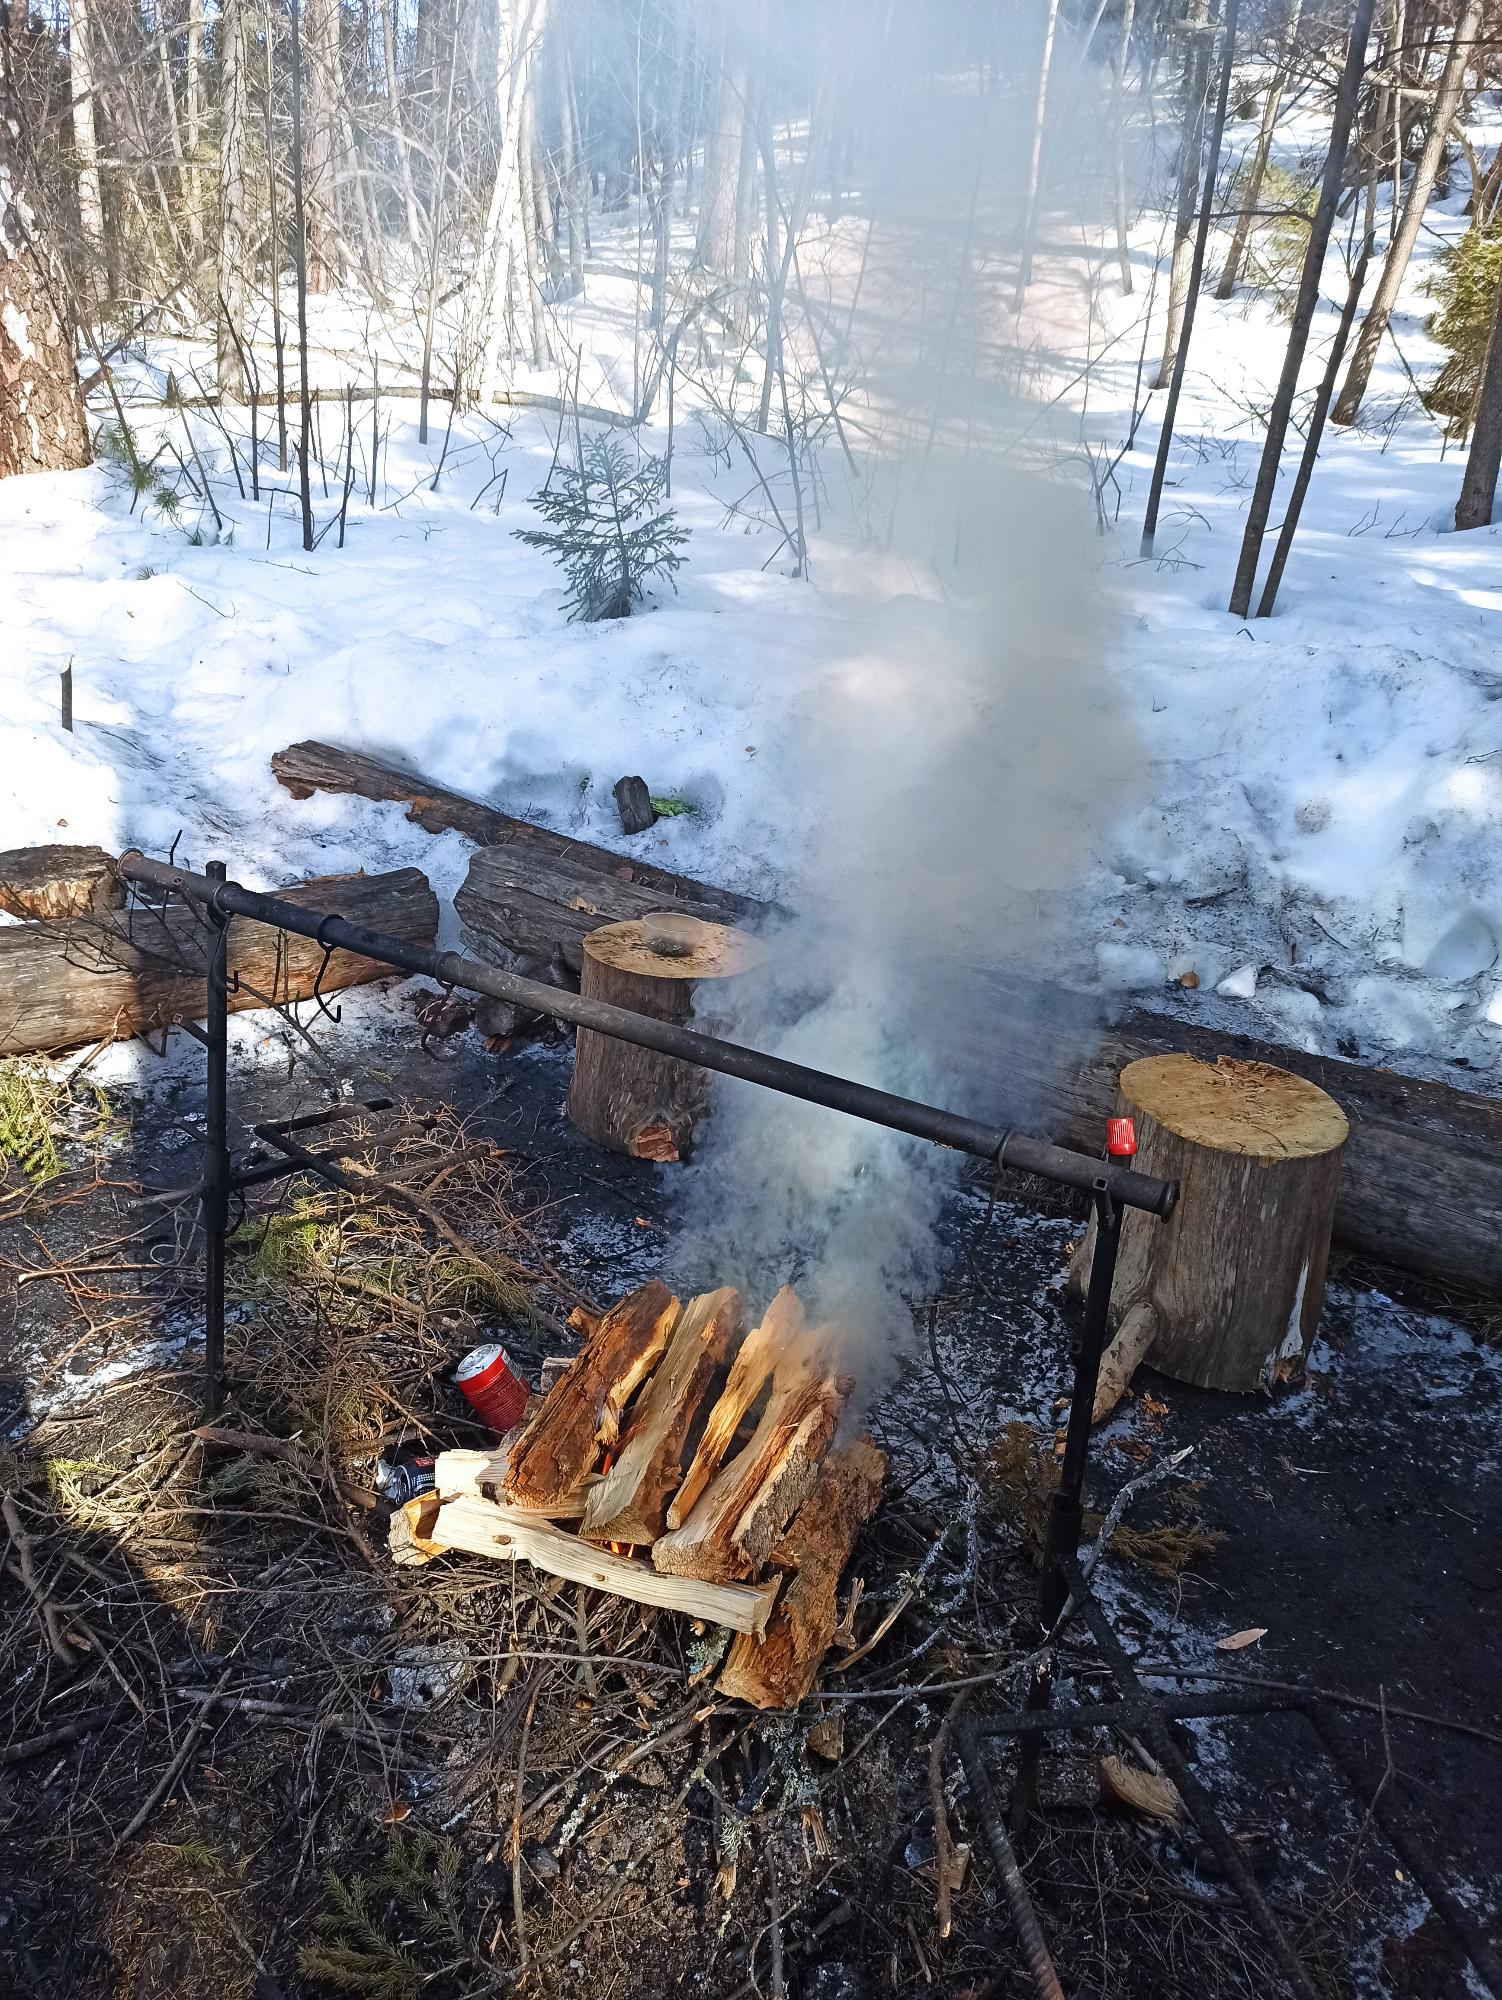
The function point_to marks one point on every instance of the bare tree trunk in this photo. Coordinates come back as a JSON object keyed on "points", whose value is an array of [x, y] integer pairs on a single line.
{"points": [[1303, 311], [1196, 272], [571, 170], [526, 156], [1395, 264], [234, 230], [505, 279], [1478, 489], [1191, 139], [193, 122], [42, 426], [1315, 432], [1252, 194], [719, 193], [1035, 158], [1118, 140], [300, 258], [85, 139], [321, 95], [399, 126]]}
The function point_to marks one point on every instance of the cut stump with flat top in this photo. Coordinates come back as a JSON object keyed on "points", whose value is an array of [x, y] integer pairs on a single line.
{"points": [[1227, 1293], [631, 1099]]}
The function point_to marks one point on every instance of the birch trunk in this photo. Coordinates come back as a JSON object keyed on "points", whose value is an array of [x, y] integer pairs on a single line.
{"points": [[502, 296], [85, 138], [321, 97], [234, 231]]}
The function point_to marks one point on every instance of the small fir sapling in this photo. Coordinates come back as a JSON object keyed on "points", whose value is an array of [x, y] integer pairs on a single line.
{"points": [[607, 529]]}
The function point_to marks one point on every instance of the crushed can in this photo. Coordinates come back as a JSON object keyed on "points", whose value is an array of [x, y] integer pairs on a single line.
{"points": [[493, 1389], [408, 1472]]}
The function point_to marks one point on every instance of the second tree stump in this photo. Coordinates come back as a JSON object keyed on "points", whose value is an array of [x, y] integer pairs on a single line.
{"points": [[631, 1099], [1227, 1293]]}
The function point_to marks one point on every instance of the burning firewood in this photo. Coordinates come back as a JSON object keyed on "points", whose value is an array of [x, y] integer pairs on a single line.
{"points": [[730, 1532], [760, 1353], [779, 1671], [630, 1503], [561, 1446]]}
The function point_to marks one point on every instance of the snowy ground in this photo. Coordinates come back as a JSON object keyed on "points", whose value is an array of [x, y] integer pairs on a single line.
{"points": [[1315, 834]]}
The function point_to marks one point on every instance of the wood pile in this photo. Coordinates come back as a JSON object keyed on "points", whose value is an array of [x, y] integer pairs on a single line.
{"points": [[687, 1461]]}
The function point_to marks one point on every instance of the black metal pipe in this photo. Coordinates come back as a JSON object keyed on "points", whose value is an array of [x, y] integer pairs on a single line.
{"points": [[1160, 1740], [1035, 1946], [214, 1180], [878, 1107]]}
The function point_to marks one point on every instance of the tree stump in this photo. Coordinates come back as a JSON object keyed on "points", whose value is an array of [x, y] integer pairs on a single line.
{"points": [[632, 1099], [58, 881], [1227, 1293]]}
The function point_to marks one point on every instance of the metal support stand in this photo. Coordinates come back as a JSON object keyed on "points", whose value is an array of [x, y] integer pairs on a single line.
{"points": [[1066, 1513], [213, 1193]]}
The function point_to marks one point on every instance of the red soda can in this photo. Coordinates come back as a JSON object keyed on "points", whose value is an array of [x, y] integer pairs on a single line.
{"points": [[495, 1391]]}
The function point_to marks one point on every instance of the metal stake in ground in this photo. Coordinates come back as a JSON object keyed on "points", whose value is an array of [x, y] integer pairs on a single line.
{"points": [[214, 1181]]}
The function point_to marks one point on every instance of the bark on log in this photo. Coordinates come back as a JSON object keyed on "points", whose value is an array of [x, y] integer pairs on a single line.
{"points": [[1235, 1278], [71, 980], [580, 1416], [58, 881], [1422, 1183], [632, 1099], [749, 1502], [630, 1503], [780, 1670]]}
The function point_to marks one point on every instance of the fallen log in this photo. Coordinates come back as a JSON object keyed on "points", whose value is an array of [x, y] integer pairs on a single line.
{"points": [[1421, 1186], [581, 1413], [58, 881], [630, 1503], [780, 1669], [563, 867], [117, 973]]}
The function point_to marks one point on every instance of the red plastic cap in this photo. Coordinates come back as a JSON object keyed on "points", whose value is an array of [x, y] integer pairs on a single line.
{"points": [[1121, 1138]]}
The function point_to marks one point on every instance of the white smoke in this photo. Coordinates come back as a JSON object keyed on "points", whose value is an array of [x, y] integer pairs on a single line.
{"points": [[966, 758]]}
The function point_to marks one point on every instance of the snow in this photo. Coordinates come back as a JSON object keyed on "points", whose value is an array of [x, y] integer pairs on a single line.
{"points": [[1319, 837]]}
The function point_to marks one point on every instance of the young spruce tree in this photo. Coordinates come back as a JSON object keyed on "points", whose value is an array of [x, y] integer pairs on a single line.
{"points": [[607, 529]]}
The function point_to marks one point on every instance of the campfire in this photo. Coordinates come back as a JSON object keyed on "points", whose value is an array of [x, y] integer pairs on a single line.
{"points": [[685, 1459]]}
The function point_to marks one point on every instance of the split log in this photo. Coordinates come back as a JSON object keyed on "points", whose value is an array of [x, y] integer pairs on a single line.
{"points": [[749, 1502], [58, 881], [581, 1413], [780, 1670], [632, 1099], [630, 1503], [462, 1474], [70, 980], [760, 1353], [482, 1528], [1422, 1182], [1234, 1281]]}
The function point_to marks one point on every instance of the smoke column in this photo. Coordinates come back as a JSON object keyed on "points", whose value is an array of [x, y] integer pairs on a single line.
{"points": [[966, 754]]}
